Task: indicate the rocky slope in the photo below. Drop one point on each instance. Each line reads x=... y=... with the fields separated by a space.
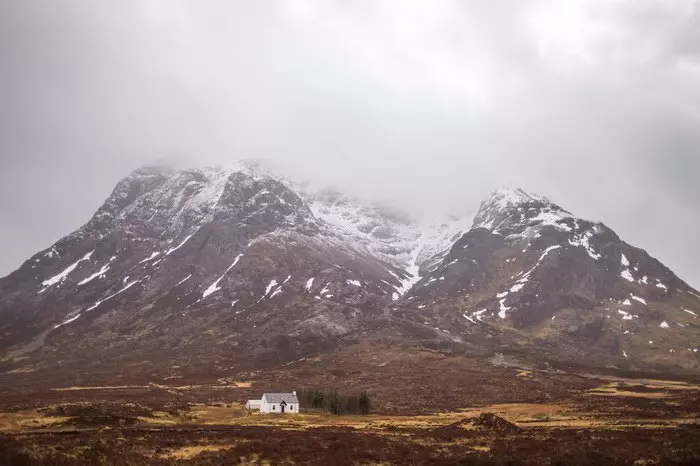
x=565 y=287
x=215 y=269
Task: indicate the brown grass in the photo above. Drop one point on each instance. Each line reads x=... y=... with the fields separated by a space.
x=27 y=420
x=185 y=453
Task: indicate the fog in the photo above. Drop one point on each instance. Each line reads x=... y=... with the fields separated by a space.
x=425 y=105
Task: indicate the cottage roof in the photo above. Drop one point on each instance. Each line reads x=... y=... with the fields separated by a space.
x=280 y=397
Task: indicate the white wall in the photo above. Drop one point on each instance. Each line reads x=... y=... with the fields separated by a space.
x=266 y=407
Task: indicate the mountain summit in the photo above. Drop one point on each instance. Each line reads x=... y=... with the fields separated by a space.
x=211 y=269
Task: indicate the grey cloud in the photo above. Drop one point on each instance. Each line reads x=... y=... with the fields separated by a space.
x=595 y=104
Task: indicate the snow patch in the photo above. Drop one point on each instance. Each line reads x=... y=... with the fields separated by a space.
x=172 y=250
x=152 y=256
x=503 y=308
x=271 y=285
x=99 y=273
x=584 y=241
x=627 y=275
x=354 y=282
x=215 y=286
x=637 y=298
x=517 y=287
x=62 y=276
x=412 y=270
x=309 y=284
x=183 y=280
x=128 y=285
x=664 y=324
x=626 y=315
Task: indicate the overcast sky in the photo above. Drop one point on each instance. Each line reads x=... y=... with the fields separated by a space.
x=595 y=104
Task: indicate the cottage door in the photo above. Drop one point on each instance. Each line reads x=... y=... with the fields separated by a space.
x=282 y=406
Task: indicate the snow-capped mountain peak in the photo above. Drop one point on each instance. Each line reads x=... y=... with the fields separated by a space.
x=513 y=211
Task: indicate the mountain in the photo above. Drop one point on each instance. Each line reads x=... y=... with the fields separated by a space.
x=561 y=286
x=211 y=271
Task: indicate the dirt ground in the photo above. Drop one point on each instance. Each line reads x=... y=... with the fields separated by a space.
x=620 y=421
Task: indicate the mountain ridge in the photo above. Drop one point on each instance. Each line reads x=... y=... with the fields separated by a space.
x=242 y=267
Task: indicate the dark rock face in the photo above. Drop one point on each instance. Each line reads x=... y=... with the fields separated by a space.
x=233 y=267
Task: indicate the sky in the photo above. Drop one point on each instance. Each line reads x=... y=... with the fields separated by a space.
x=423 y=105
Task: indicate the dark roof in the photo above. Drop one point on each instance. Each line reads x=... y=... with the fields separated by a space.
x=280 y=397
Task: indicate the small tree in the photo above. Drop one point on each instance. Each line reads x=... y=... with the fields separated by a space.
x=364 y=403
x=334 y=402
x=352 y=404
x=317 y=399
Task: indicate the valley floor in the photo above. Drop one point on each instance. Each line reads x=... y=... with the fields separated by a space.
x=620 y=421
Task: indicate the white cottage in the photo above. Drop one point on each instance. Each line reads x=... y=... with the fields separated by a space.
x=276 y=403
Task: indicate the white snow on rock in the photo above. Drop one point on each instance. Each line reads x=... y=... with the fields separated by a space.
x=325 y=289
x=637 y=298
x=624 y=354
x=625 y=271
x=517 y=287
x=51 y=253
x=662 y=286
x=75 y=317
x=277 y=291
x=502 y=295
x=478 y=315
x=503 y=308
x=172 y=250
x=539 y=261
x=413 y=271
x=690 y=312
x=62 y=276
x=354 y=282
x=626 y=315
x=626 y=302
x=183 y=280
x=584 y=241
x=99 y=273
x=128 y=285
x=627 y=275
x=270 y=285
x=309 y=283
x=407 y=243
x=152 y=256
x=664 y=324
x=215 y=286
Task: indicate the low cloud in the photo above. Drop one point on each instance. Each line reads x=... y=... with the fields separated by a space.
x=426 y=105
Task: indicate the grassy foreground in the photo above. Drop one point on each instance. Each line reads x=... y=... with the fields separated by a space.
x=618 y=422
